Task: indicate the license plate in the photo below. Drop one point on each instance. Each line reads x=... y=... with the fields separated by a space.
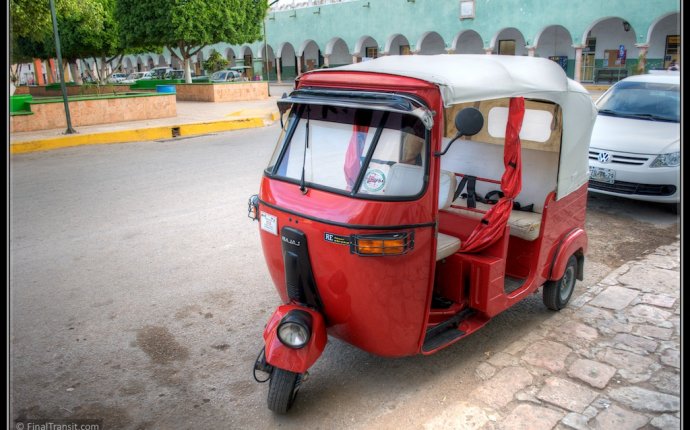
x=602 y=175
x=269 y=223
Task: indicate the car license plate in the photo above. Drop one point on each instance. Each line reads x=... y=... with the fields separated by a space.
x=602 y=175
x=269 y=223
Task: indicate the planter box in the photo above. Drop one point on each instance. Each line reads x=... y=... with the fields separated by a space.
x=222 y=92
x=50 y=113
x=76 y=90
x=20 y=103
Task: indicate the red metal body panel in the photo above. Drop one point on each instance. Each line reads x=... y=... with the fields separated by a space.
x=379 y=304
x=294 y=360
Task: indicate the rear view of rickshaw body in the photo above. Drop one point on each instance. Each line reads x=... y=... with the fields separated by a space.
x=397 y=232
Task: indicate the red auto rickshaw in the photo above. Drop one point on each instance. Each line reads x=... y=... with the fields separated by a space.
x=410 y=199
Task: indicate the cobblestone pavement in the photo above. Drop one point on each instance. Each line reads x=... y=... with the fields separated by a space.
x=609 y=360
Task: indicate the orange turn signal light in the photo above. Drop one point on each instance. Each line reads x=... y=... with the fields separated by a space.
x=386 y=244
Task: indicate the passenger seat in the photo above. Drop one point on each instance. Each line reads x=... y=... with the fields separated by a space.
x=446 y=245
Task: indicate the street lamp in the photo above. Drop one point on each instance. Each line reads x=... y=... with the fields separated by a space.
x=266 y=50
x=61 y=71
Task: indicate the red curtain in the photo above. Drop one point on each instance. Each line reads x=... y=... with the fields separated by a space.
x=494 y=222
x=354 y=154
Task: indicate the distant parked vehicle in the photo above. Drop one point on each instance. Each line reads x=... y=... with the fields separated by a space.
x=226 y=76
x=160 y=72
x=136 y=76
x=174 y=74
x=116 y=78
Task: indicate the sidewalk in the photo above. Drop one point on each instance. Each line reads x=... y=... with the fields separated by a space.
x=193 y=118
x=609 y=360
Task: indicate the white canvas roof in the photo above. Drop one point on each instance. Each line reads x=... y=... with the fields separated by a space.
x=467 y=78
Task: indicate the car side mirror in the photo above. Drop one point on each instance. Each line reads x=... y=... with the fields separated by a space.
x=469 y=121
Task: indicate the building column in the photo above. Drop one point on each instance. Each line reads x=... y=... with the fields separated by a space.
x=280 y=80
x=38 y=72
x=642 y=57
x=355 y=59
x=326 y=60
x=299 y=65
x=488 y=51
x=577 y=76
x=450 y=51
x=531 y=50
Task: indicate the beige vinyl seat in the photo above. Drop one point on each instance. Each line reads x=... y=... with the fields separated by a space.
x=446 y=245
x=525 y=225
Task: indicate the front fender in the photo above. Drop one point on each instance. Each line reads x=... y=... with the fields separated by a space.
x=286 y=358
x=575 y=242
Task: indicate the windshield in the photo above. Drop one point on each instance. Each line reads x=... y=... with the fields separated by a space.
x=218 y=76
x=642 y=100
x=376 y=153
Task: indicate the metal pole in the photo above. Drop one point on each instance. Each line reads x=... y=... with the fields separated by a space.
x=61 y=71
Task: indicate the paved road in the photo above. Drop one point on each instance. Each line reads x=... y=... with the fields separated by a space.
x=139 y=295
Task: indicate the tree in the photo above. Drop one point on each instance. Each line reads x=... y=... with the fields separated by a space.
x=215 y=62
x=187 y=26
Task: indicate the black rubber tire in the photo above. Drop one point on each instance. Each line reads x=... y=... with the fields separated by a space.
x=557 y=293
x=282 y=390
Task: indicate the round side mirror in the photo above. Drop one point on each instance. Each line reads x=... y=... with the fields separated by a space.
x=469 y=121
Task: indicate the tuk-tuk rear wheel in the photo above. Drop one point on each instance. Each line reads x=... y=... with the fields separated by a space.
x=282 y=390
x=557 y=293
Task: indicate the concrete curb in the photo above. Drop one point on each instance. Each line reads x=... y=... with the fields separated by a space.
x=141 y=134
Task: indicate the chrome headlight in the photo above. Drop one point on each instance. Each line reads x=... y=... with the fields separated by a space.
x=294 y=329
x=667 y=160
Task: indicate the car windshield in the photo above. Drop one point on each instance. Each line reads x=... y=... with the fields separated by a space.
x=642 y=100
x=220 y=76
x=376 y=153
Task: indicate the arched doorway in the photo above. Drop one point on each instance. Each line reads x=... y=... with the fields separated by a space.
x=337 y=53
x=268 y=68
x=366 y=48
x=556 y=43
x=431 y=43
x=664 y=43
x=398 y=45
x=509 y=41
x=287 y=61
x=310 y=55
x=609 y=52
x=247 y=60
x=468 y=42
x=230 y=56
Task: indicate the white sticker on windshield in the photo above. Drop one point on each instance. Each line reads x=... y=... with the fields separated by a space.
x=269 y=223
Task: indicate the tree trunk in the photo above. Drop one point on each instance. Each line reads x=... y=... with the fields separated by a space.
x=188 y=70
x=75 y=72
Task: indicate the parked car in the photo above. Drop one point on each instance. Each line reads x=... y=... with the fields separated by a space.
x=174 y=74
x=159 y=72
x=136 y=76
x=226 y=76
x=116 y=78
x=635 y=147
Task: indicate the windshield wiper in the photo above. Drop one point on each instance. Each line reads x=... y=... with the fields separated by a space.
x=302 y=186
x=610 y=112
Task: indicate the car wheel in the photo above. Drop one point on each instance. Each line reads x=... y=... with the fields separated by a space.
x=556 y=294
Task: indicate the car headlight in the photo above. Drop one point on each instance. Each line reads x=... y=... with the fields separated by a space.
x=667 y=160
x=294 y=330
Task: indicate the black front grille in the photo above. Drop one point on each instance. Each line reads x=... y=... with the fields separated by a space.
x=633 y=188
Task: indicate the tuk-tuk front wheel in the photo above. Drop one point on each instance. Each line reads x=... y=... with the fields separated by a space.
x=557 y=293
x=282 y=390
